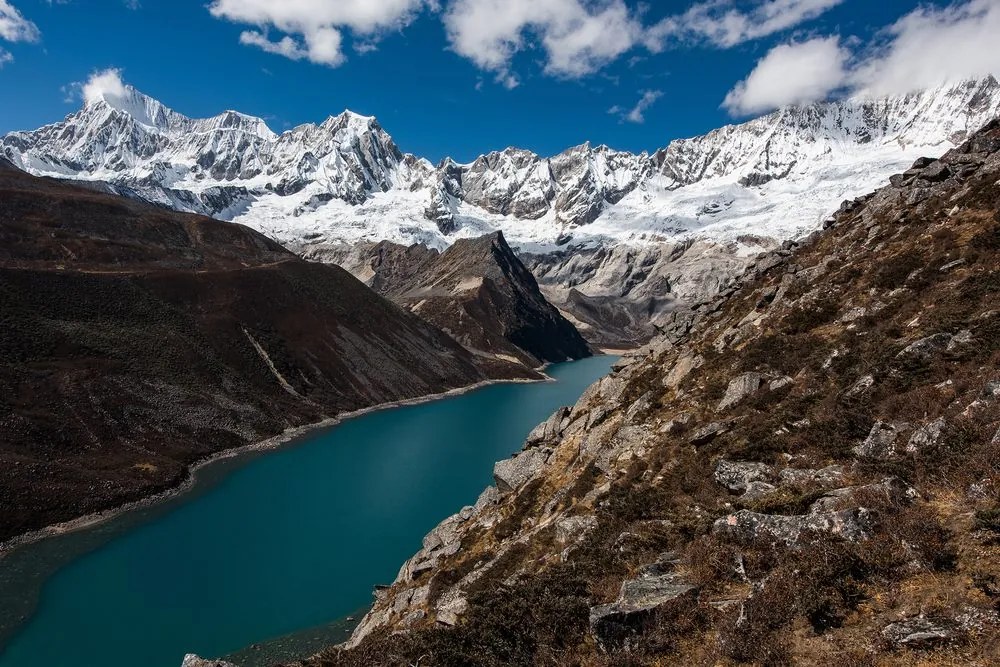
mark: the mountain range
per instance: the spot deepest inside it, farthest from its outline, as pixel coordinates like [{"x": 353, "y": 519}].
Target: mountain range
[{"x": 611, "y": 236}]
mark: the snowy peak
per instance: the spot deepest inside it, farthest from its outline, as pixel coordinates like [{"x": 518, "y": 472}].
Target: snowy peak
[
  {"x": 345, "y": 179},
  {"x": 797, "y": 138},
  {"x": 137, "y": 106}
]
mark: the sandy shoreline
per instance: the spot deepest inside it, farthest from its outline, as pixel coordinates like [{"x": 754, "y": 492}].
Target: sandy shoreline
[{"x": 267, "y": 444}]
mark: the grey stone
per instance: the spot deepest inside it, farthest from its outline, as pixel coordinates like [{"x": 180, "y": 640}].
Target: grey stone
[
  {"x": 824, "y": 477},
  {"x": 707, "y": 433},
  {"x": 893, "y": 489},
  {"x": 920, "y": 631},
  {"x": 935, "y": 172},
  {"x": 513, "y": 473},
  {"x": 574, "y": 528},
  {"x": 925, "y": 348},
  {"x": 549, "y": 430},
  {"x": 747, "y": 527},
  {"x": 926, "y": 436},
  {"x": 613, "y": 624},
  {"x": 880, "y": 443},
  {"x": 738, "y": 475},
  {"x": 739, "y": 388},
  {"x": 681, "y": 369},
  {"x": 863, "y": 384},
  {"x": 192, "y": 660}
]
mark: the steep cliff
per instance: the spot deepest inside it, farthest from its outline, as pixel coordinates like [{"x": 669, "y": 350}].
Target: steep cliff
[{"x": 478, "y": 291}]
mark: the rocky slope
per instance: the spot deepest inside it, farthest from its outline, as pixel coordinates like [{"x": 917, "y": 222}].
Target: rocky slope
[
  {"x": 478, "y": 291},
  {"x": 136, "y": 340},
  {"x": 607, "y": 231},
  {"x": 804, "y": 472}
]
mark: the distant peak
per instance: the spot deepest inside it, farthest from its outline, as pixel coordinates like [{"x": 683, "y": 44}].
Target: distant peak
[{"x": 126, "y": 99}]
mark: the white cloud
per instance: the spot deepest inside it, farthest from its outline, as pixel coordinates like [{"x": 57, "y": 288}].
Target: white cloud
[
  {"x": 637, "y": 113},
  {"x": 794, "y": 73},
  {"x": 312, "y": 29},
  {"x": 927, "y": 47},
  {"x": 103, "y": 84},
  {"x": 579, "y": 37},
  {"x": 5, "y": 57},
  {"x": 719, "y": 23},
  {"x": 930, "y": 46},
  {"x": 14, "y": 27}
]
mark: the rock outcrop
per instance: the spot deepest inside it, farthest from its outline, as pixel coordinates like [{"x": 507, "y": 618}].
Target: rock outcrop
[{"x": 479, "y": 292}]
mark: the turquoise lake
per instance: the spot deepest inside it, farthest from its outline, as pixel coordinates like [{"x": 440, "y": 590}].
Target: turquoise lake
[{"x": 268, "y": 544}]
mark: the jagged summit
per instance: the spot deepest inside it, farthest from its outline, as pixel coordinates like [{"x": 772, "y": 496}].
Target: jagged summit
[{"x": 345, "y": 179}]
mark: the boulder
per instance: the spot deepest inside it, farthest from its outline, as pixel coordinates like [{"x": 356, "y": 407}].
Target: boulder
[
  {"x": 681, "y": 369},
  {"x": 920, "y": 631},
  {"x": 738, "y": 475},
  {"x": 893, "y": 489},
  {"x": 513, "y": 473},
  {"x": 707, "y": 433},
  {"x": 935, "y": 172},
  {"x": 880, "y": 443},
  {"x": 549, "y": 430},
  {"x": 808, "y": 477},
  {"x": 926, "y": 436},
  {"x": 192, "y": 660},
  {"x": 639, "y": 600},
  {"x": 748, "y": 527},
  {"x": 739, "y": 388},
  {"x": 572, "y": 529},
  {"x": 925, "y": 348}
]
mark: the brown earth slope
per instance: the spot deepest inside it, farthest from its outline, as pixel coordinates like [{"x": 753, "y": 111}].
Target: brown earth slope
[
  {"x": 135, "y": 341},
  {"x": 478, "y": 291},
  {"x": 807, "y": 473}
]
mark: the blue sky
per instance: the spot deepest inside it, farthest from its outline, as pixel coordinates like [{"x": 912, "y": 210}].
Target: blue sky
[{"x": 462, "y": 77}]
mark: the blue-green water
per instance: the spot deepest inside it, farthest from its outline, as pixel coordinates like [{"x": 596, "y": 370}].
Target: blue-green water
[{"x": 268, "y": 544}]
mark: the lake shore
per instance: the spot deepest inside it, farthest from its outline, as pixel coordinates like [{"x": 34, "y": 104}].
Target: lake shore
[{"x": 289, "y": 436}]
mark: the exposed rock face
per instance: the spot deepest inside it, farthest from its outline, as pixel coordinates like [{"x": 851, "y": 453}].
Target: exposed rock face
[
  {"x": 612, "y": 624},
  {"x": 192, "y": 660},
  {"x": 125, "y": 323},
  {"x": 766, "y": 576},
  {"x": 747, "y": 527},
  {"x": 478, "y": 291},
  {"x": 921, "y": 632}
]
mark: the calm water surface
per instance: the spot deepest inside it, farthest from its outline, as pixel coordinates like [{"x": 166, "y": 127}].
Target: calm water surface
[{"x": 269, "y": 544}]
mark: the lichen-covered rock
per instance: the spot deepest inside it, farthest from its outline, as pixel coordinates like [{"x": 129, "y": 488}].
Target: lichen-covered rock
[
  {"x": 612, "y": 624},
  {"x": 921, "y": 631},
  {"x": 571, "y": 530},
  {"x": 926, "y": 436},
  {"x": 192, "y": 660},
  {"x": 925, "y": 348},
  {"x": 513, "y": 473},
  {"x": 880, "y": 443},
  {"x": 891, "y": 489},
  {"x": 739, "y": 388},
  {"x": 549, "y": 430},
  {"x": 808, "y": 477},
  {"x": 738, "y": 475},
  {"x": 748, "y": 527},
  {"x": 707, "y": 433}
]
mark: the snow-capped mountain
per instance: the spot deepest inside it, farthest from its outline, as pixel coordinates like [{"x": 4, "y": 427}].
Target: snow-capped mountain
[
  {"x": 346, "y": 180},
  {"x": 674, "y": 226}
]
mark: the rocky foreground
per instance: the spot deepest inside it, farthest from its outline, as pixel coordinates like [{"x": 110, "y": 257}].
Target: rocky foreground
[{"x": 805, "y": 471}]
